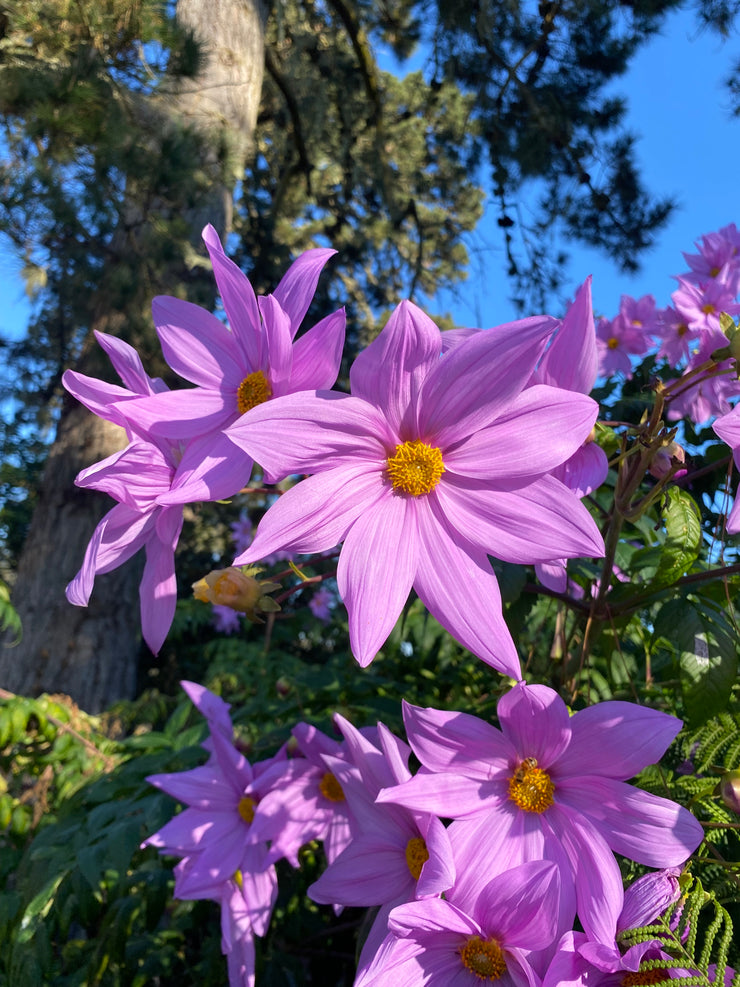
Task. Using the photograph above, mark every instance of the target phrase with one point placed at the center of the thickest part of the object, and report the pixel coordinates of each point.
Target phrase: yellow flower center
(254, 389)
(239, 879)
(714, 271)
(246, 808)
(416, 856)
(708, 308)
(484, 958)
(530, 787)
(682, 329)
(330, 788)
(612, 342)
(644, 978)
(415, 468)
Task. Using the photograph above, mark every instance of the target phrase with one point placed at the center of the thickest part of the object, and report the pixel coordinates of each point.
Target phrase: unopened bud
(238, 589)
(665, 459)
(729, 790)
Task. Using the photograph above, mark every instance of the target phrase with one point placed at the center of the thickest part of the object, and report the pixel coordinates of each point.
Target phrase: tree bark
(92, 653)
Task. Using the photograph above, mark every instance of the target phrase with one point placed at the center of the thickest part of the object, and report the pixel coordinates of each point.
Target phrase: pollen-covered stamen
(254, 389)
(415, 468)
(239, 879)
(246, 808)
(530, 787)
(484, 958)
(708, 308)
(416, 856)
(330, 788)
(645, 978)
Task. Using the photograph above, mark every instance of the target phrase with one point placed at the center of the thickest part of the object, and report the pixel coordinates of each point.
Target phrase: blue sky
(688, 147)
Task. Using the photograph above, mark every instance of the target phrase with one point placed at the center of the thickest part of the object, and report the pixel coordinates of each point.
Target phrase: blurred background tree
(129, 124)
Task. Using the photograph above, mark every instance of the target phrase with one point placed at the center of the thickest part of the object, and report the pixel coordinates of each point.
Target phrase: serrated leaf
(683, 538)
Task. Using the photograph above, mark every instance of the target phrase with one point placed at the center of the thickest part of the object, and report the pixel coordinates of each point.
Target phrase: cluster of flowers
(686, 332)
(538, 808)
(450, 448)
(447, 451)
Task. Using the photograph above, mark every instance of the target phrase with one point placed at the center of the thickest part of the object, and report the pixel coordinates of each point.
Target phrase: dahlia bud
(729, 789)
(238, 589)
(665, 459)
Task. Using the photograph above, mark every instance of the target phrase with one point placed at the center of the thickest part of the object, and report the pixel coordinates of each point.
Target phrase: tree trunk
(92, 653)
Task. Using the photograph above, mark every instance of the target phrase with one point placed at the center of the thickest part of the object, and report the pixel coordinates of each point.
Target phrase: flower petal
(179, 415)
(452, 741)
(127, 364)
(535, 719)
(118, 536)
(459, 588)
(196, 345)
(240, 303)
(643, 827)
(158, 589)
(313, 431)
(390, 371)
(473, 384)
(539, 430)
(536, 523)
(376, 570)
(317, 355)
(617, 739)
(316, 514)
(571, 360)
(297, 286)
(277, 344)
(210, 469)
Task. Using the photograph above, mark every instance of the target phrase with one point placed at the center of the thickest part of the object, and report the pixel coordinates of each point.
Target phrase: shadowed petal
(460, 590)
(585, 470)
(521, 905)
(195, 344)
(97, 396)
(443, 794)
(536, 721)
(127, 364)
(297, 286)
(313, 431)
(179, 415)
(470, 387)
(134, 476)
(316, 514)
(118, 536)
(627, 738)
(391, 370)
(446, 741)
(651, 830)
(240, 302)
(536, 523)
(210, 469)
(539, 430)
(317, 354)
(277, 342)
(158, 589)
(376, 570)
(597, 877)
(571, 360)
(370, 871)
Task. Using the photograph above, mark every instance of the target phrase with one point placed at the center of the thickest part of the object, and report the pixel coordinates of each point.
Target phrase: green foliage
(695, 938)
(9, 619)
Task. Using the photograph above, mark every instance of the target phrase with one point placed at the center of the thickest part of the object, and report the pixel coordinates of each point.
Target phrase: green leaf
(697, 633)
(683, 538)
(9, 619)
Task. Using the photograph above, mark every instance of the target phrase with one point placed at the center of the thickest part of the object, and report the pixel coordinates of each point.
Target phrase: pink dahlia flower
(235, 368)
(549, 785)
(430, 466)
(451, 943)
